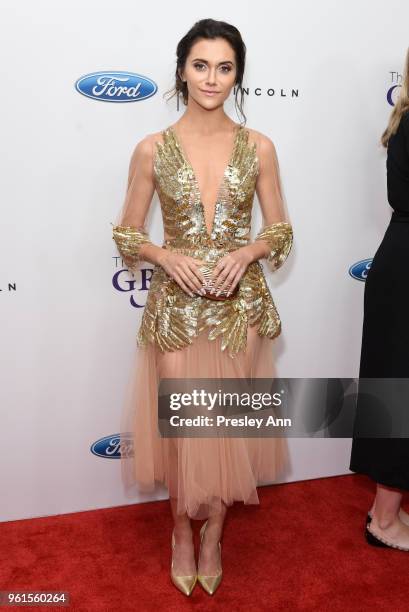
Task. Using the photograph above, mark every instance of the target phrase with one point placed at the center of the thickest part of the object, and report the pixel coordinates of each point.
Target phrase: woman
(205, 169)
(385, 338)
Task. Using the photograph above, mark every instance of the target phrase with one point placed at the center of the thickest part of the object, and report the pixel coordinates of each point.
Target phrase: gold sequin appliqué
(171, 317)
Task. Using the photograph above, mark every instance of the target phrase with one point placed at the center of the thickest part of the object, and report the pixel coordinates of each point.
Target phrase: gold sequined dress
(195, 337)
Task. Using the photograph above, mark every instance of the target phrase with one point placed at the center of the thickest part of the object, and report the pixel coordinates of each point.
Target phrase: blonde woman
(209, 312)
(385, 338)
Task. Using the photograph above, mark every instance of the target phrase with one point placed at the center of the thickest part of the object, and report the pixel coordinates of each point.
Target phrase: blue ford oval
(116, 86)
(359, 270)
(114, 446)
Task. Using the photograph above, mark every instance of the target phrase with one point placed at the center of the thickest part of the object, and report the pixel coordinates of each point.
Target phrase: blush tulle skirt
(201, 473)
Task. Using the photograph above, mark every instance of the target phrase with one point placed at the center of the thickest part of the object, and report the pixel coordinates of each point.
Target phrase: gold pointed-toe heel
(210, 583)
(185, 584)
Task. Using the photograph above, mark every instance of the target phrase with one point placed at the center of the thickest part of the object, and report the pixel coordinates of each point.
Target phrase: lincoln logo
(116, 86)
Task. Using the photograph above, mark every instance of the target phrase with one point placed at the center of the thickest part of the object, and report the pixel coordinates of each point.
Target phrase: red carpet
(301, 549)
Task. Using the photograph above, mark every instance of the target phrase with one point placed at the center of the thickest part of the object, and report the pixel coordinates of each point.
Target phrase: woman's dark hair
(210, 28)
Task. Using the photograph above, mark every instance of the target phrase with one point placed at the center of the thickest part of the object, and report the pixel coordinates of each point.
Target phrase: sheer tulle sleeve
(276, 231)
(129, 231)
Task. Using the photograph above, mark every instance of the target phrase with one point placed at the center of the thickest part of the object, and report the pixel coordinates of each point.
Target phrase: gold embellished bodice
(180, 198)
(171, 317)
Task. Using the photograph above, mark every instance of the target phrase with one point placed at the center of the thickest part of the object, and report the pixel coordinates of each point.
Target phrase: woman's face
(210, 71)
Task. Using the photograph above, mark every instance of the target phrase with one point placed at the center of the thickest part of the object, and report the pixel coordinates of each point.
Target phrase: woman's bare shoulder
(155, 137)
(265, 145)
(260, 137)
(144, 148)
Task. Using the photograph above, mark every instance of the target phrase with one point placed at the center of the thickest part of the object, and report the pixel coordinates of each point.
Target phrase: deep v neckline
(187, 163)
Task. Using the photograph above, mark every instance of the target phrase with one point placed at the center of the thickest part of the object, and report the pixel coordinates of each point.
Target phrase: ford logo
(114, 446)
(116, 86)
(359, 270)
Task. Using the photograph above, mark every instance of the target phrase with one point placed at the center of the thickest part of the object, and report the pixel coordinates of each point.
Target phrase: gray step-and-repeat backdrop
(320, 80)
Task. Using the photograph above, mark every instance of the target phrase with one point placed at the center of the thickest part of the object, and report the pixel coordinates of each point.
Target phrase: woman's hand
(184, 270)
(230, 268)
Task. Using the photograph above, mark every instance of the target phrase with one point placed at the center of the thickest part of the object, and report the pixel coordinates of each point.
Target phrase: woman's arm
(132, 239)
(274, 240)
(130, 235)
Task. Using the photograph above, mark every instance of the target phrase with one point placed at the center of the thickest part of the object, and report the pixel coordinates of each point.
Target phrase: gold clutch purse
(206, 270)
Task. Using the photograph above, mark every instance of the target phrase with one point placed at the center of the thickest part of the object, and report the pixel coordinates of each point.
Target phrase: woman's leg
(183, 554)
(171, 366)
(385, 516)
(209, 560)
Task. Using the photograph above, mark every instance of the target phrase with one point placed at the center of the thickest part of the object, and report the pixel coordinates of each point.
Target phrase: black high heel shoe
(374, 540)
